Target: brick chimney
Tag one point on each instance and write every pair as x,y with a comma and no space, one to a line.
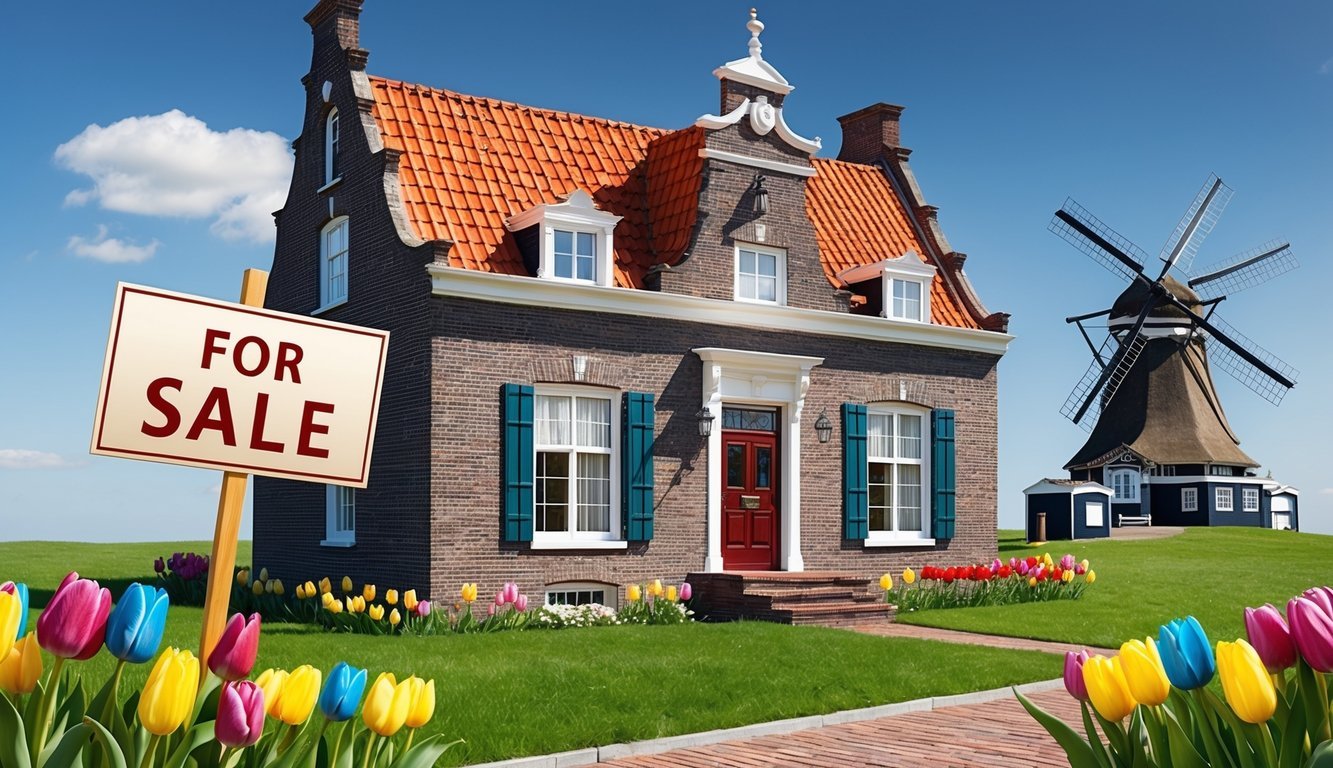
340,19
870,134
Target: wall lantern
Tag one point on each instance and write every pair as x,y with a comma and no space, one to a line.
760,194
823,427
705,418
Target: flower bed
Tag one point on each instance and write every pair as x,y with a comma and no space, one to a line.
1026,580
1154,708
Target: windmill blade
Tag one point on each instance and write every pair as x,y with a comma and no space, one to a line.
1104,245
1194,226
1254,267
1086,397
1115,370
1250,364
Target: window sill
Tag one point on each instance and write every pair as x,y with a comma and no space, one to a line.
773,303
330,305
904,542
579,544
338,543
329,186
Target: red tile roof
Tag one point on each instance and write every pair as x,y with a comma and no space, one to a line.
468,163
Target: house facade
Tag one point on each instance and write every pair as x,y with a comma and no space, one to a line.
620,352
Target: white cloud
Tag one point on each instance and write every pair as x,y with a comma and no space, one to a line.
1326,491
1326,67
110,249
21,458
173,164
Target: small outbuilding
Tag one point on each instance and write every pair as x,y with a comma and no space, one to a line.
1070,509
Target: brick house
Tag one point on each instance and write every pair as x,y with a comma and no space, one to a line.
574,302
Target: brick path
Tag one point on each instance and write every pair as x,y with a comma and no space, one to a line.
972,638
995,734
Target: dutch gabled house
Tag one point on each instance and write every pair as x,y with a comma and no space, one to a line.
573,301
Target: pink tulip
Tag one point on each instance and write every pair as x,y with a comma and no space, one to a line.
511,592
234,655
499,599
490,610
423,609
1312,629
1074,674
1013,563
686,591
521,603
240,720
74,622
1323,596
1023,568
1067,563
1270,637
1079,569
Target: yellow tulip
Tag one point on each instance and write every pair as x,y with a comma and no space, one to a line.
310,589
335,606
1107,687
11,615
263,574
297,698
272,681
655,589
278,589
386,706
326,600
391,596
325,586
395,618
422,706
168,696
1084,563
257,587
1246,684
909,576
1032,581
410,600
243,577
360,604
368,592
468,592
671,594
21,668
886,582
300,591
268,587
633,593
1144,672
376,612
347,583
1092,576
1066,576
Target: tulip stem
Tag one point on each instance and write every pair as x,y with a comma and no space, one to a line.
411,732
113,699
1321,684
370,743
337,745
47,710
151,752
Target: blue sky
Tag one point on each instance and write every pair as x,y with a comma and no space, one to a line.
146,144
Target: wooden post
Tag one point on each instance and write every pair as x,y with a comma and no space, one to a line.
1041,530
222,562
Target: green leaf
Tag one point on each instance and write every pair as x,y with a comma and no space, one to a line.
13,736
1206,730
108,743
1291,752
66,751
1094,741
196,737
1180,748
428,752
1244,753
1322,757
1077,750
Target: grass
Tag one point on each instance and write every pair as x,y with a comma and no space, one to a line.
512,694
1211,573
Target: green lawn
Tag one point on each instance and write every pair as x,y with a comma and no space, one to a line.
1212,573
511,694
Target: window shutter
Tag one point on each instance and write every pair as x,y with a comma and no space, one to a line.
517,460
943,473
637,424
855,497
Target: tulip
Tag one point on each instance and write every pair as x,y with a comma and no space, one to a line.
422,702
468,593
499,598
1245,682
410,599
655,589
272,681
376,612
671,594
74,622
300,591
21,667
1074,674
1032,581
909,576
342,692
1186,654
234,655
168,696
391,596
327,600
335,606
387,705
686,591
325,586
1092,576
134,628
1144,673
347,584
1067,576
511,592
1270,637
257,587
633,593
1323,596
490,609
243,577
20,591
277,587
310,590
1067,562
522,602
423,608
886,582
11,615
298,694
1312,629
395,618
240,720
368,592
263,574
159,565
1107,689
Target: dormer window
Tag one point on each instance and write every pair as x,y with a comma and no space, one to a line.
899,289
570,240
332,170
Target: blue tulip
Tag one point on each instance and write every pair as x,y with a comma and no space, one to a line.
342,692
134,628
1186,654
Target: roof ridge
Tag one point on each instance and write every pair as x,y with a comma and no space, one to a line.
514,104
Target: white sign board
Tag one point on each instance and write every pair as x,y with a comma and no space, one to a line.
207,383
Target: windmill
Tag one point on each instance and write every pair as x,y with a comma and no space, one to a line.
1148,397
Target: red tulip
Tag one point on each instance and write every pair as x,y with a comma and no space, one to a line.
1057,573
74,622
1270,637
1005,572
234,655
1032,561
1312,629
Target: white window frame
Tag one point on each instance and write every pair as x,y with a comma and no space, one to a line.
1189,499
332,146
339,505
611,538
1089,521
1229,505
326,298
780,261
577,213
1249,499
610,592
1133,477
909,267
923,536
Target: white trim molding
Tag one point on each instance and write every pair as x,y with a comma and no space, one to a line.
736,376
576,214
585,297
776,166
764,117
909,268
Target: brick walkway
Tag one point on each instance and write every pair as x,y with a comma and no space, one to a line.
995,734
972,638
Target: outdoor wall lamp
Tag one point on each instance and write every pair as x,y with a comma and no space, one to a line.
823,427
705,418
760,194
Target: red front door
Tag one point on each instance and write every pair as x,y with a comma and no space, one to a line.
750,523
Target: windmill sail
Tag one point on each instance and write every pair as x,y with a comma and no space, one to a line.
1262,382
1195,225
1104,245
1254,267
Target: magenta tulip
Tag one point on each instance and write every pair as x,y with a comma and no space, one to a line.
521,603
1322,596
686,591
1312,629
240,720
234,655
1067,563
1074,674
511,592
1270,637
74,622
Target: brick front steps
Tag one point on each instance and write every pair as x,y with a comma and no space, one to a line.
828,598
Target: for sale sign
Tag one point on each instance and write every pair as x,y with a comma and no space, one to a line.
207,383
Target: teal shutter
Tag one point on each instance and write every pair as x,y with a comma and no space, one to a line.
637,423
517,458
943,472
855,498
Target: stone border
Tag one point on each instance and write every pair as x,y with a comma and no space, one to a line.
593,755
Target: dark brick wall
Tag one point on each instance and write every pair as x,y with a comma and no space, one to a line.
868,132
